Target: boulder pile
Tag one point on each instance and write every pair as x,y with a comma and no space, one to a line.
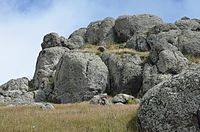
152,63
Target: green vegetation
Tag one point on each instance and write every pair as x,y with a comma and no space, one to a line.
131,101
114,48
79,117
51,81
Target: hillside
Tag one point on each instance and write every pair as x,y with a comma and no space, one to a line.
135,59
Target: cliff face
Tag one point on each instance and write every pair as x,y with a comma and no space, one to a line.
130,55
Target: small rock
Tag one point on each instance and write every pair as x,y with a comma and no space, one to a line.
101,49
122,98
101,99
45,106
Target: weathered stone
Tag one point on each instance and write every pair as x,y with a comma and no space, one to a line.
188,24
46,106
51,40
151,77
127,26
16,84
171,62
189,43
101,32
46,68
166,27
80,32
122,98
101,99
171,105
125,73
79,76
15,91
138,42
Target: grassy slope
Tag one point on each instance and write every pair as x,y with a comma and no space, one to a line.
80,117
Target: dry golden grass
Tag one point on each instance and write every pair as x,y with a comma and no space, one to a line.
114,48
80,117
194,59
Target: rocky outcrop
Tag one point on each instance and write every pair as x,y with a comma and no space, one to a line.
101,32
45,70
151,77
171,105
138,42
125,73
188,24
189,42
79,76
127,26
15,91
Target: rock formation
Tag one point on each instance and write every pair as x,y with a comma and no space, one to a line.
150,63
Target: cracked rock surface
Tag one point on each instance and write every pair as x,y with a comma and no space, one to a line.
171,105
79,76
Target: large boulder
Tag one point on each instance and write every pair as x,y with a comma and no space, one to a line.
15,91
79,76
189,42
51,40
45,70
101,32
164,53
80,32
151,77
188,24
171,105
138,42
125,73
127,26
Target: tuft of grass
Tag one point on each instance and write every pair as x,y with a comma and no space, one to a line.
79,117
114,48
193,59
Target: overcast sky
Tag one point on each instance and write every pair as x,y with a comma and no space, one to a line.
23,23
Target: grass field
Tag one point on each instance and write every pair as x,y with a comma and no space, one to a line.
80,117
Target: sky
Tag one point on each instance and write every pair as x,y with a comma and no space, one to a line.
23,23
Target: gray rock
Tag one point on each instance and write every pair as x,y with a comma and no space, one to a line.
125,73
51,40
101,99
161,28
189,43
138,42
188,24
40,95
171,105
79,76
15,91
127,26
45,106
151,77
15,84
45,70
75,42
80,32
171,62
101,32
122,98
